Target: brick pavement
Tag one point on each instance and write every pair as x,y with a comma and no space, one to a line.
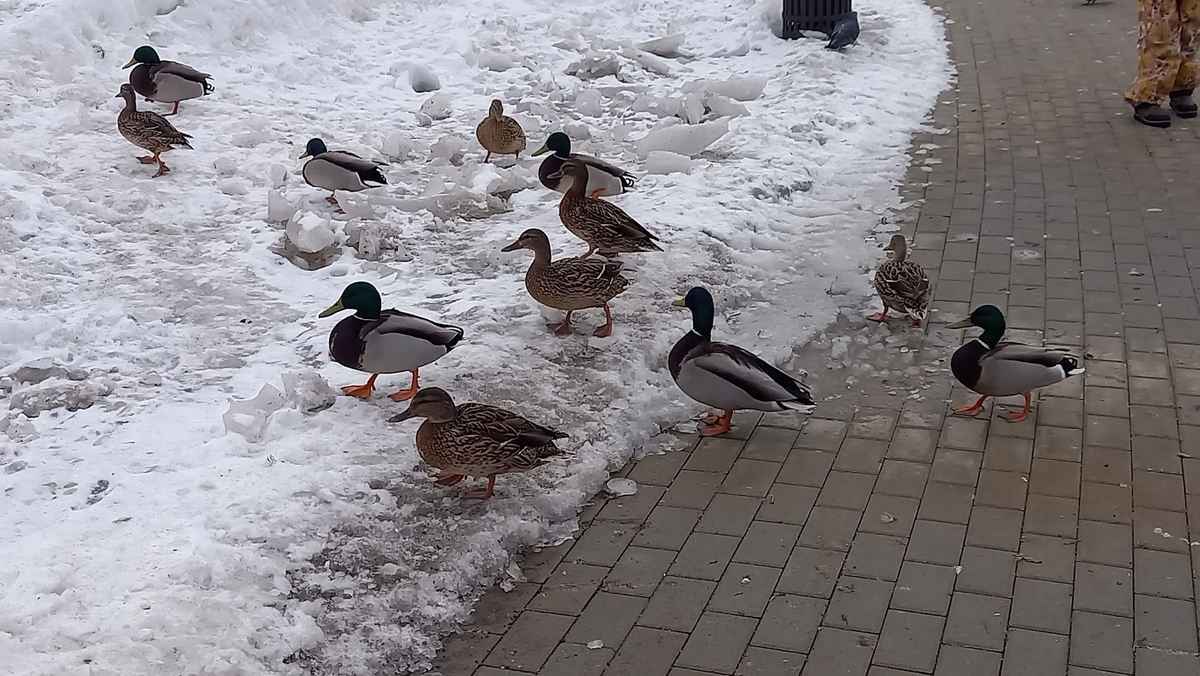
883,538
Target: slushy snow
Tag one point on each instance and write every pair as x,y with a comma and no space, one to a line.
185,490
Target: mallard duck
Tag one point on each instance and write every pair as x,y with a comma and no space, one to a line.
603,225
477,440
377,341
1003,369
902,284
726,376
148,130
336,170
499,133
165,81
602,178
569,284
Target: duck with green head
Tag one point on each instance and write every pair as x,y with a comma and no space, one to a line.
994,368
165,81
602,178
726,376
375,341
336,170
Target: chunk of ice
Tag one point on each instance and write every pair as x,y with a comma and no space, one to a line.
689,139
667,162
437,107
422,78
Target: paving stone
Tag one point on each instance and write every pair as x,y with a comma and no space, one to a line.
811,572
977,621
1008,454
717,643
714,454
995,528
659,470
898,477
846,490
462,653
1005,490
889,515
638,571
538,564
704,556
965,433
768,662
667,528
692,490
770,443
1041,605
497,610
790,623
1104,589
1106,543
569,588
1050,515
728,515
924,588
822,435
529,642
573,659
1151,662
987,571
786,503
946,502
876,556
647,652
1106,502
830,528
916,445
1047,558
750,477
744,590
1166,574
806,467
1158,491
935,542
632,509
838,652
603,542
909,641
864,456
859,604
1035,653
1059,443
1055,477
677,604
607,617
1156,529
954,466
1107,465
1102,642
767,543
960,661
1165,623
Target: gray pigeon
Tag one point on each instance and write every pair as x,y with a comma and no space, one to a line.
845,32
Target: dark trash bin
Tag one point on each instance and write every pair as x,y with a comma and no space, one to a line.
812,15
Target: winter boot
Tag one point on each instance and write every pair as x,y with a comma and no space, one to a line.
1182,103
1151,115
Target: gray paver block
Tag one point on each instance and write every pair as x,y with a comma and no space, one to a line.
1102,642
573,659
1034,653
744,590
811,572
790,623
767,543
677,604
960,661
977,621
909,641
838,652
608,618
947,503
768,662
717,643
647,652
638,571
530,641
704,556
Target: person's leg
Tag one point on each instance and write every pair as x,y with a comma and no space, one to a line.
1158,60
1189,40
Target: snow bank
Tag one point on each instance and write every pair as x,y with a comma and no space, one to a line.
217,509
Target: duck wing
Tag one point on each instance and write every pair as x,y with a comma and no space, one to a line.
153,126
907,284
747,371
614,219
182,70
1030,354
504,427
1014,368
350,161
606,167
397,322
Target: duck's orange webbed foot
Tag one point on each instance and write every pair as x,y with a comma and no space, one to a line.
878,316
1021,415
724,425
362,391
448,479
406,394
973,409
484,493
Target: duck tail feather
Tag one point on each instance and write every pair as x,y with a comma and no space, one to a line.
1070,366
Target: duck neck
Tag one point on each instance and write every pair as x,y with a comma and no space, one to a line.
900,251
992,333
578,189
541,257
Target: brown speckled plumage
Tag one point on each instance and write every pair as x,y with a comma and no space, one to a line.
499,133
902,284
477,439
604,226
569,284
148,130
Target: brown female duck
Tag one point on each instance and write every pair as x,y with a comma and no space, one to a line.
477,440
499,133
148,130
604,226
569,284
902,284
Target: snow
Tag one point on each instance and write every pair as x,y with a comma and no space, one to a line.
182,493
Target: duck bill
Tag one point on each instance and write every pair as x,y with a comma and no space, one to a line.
401,417
333,309
962,324
131,63
304,155
541,151
679,303
512,247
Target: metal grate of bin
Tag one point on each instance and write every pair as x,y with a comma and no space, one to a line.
812,15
